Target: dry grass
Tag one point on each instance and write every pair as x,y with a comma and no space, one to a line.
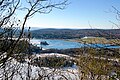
99,40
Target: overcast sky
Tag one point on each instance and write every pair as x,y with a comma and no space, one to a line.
79,14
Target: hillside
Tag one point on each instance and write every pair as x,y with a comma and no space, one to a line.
75,33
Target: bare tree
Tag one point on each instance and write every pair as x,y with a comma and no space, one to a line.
101,63
35,6
9,24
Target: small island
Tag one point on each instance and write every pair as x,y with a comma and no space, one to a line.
44,43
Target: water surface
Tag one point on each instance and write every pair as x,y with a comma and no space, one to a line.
56,44
63,44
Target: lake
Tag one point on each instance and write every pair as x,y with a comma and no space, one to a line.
63,44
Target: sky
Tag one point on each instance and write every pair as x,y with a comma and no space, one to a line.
79,14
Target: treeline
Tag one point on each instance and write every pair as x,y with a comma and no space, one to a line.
75,33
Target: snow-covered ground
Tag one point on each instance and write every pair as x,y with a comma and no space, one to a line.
52,54
14,70
19,71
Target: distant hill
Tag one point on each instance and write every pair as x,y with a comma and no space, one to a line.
52,33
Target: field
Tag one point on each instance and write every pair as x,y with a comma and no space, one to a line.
97,40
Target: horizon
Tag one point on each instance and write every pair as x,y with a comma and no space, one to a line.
37,28
80,14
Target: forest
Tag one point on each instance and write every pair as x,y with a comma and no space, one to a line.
75,33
